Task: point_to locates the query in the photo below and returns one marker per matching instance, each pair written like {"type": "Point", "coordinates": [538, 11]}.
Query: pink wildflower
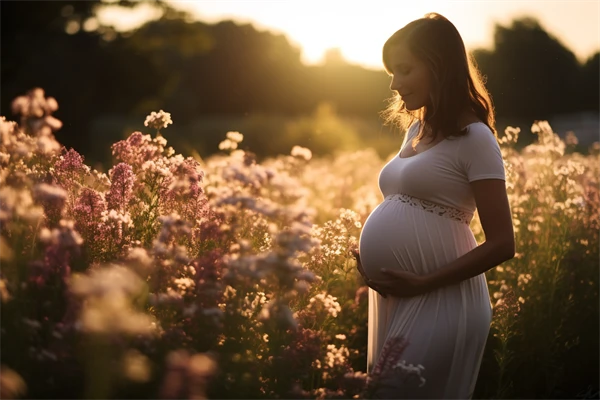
{"type": "Point", "coordinates": [52, 198]}
{"type": "Point", "coordinates": [391, 375]}
{"type": "Point", "coordinates": [88, 210]}
{"type": "Point", "coordinates": [121, 188]}
{"type": "Point", "coordinates": [115, 227]}
{"type": "Point", "coordinates": [35, 110]}
{"type": "Point", "coordinates": [7, 132]}
{"type": "Point", "coordinates": [207, 273]}
{"type": "Point", "coordinates": [65, 236]}
{"type": "Point", "coordinates": [390, 355]}
{"type": "Point", "coordinates": [34, 104]}
{"type": "Point", "coordinates": [70, 168]}
{"type": "Point", "coordinates": [139, 148]}
{"type": "Point", "coordinates": [184, 193]}
{"type": "Point", "coordinates": [304, 347]}
{"type": "Point", "coordinates": [61, 243]}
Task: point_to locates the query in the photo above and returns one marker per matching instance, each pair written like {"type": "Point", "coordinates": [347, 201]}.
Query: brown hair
{"type": "Point", "coordinates": [457, 83]}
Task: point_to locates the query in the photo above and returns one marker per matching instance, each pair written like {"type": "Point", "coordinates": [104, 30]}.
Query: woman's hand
{"type": "Point", "coordinates": [368, 281]}
{"type": "Point", "coordinates": [402, 283]}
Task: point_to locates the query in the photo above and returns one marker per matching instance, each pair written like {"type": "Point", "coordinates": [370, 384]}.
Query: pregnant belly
{"type": "Point", "coordinates": [398, 236]}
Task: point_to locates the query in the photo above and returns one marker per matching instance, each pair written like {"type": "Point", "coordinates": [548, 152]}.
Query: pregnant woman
{"type": "Point", "coordinates": [417, 252]}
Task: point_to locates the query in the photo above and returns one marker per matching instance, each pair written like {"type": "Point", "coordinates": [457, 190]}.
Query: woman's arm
{"type": "Point", "coordinates": [499, 246]}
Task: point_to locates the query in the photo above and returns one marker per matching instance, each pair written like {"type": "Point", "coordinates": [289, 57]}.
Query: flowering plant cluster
{"type": "Point", "coordinates": [174, 277]}
{"type": "Point", "coordinates": [162, 276]}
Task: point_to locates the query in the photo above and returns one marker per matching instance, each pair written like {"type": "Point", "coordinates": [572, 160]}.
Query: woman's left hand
{"type": "Point", "coordinates": [402, 283]}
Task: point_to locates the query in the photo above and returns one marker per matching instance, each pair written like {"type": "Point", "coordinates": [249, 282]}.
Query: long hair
{"type": "Point", "coordinates": [457, 83]}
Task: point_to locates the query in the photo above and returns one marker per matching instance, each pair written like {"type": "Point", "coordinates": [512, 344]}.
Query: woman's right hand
{"type": "Point", "coordinates": [361, 270]}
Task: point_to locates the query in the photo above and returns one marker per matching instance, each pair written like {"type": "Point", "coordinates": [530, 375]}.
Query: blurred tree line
{"type": "Point", "coordinates": [227, 76]}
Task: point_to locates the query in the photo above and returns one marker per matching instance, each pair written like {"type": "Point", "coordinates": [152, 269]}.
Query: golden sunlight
{"type": "Point", "coordinates": [357, 29]}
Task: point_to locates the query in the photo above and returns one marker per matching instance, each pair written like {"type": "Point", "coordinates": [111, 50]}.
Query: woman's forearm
{"type": "Point", "coordinates": [477, 261]}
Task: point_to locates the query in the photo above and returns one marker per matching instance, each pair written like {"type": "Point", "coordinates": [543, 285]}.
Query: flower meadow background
{"type": "Point", "coordinates": [233, 277]}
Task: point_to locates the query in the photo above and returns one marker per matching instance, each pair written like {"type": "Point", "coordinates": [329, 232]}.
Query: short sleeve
{"type": "Point", "coordinates": [479, 154]}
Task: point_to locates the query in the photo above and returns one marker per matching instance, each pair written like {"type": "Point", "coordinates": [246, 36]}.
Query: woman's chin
{"type": "Point", "coordinates": [412, 107]}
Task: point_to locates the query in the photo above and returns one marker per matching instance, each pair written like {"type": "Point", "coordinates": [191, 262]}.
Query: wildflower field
{"type": "Point", "coordinates": [230, 277]}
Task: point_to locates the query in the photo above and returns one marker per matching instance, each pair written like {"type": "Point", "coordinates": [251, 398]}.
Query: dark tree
{"type": "Point", "coordinates": [589, 86]}
{"type": "Point", "coordinates": [102, 79]}
{"type": "Point", "coordinates": [531, 75]}
{"type": "Point", "coordinates": [44, 45]}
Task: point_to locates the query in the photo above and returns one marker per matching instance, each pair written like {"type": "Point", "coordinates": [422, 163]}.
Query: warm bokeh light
{"type": "Point", "coordinates": [123, 18]}
{"type": "Point", "coordinates": [359, 29]}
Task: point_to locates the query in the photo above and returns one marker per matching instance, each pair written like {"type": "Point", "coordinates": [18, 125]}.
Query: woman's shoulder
{"type": "Point", "coordinates": [478, 131]}
{"type": "Point", "coordinates": [477, 139]}
{"type": "Point", "coordinates": [477, 125]}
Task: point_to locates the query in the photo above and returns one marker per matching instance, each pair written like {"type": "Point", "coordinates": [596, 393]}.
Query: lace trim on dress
{"type": "Point", "coordinates": [442, 211]}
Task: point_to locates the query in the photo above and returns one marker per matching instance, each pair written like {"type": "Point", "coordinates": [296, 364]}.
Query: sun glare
{"type": "Point", "coordinates": [358, 29]}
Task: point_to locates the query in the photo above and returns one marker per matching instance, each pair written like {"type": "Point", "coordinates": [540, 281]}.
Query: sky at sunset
{"type": "Point", "coordinates": [359, 28]}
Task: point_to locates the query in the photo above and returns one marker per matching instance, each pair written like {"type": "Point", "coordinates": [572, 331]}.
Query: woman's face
{"type": "Point", "coordinates": [410, 77]}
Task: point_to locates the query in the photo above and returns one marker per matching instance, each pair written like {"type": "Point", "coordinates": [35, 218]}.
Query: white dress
{"type": "Point", "coordinates": [422, 225]}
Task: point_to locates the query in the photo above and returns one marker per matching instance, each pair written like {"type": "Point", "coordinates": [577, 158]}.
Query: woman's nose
{"type": "Point", "coordinates": [395, 85]}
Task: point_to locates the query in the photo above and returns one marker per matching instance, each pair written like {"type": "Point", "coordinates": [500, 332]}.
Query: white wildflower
{"type": "Point", "coordinates": [301, 152]}
{"type": "Point", "coordinates": [235, 136]}
{"type": "Point", "coordinates": [228, 144]}
{"type": "Point", "coordinates": [329, 302]}
{"type": "Point", "coordinates": [158, 120]}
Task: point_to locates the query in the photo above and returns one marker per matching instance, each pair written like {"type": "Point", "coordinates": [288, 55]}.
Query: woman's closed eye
{"type": "Point", "coordinates": [402, 69]}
